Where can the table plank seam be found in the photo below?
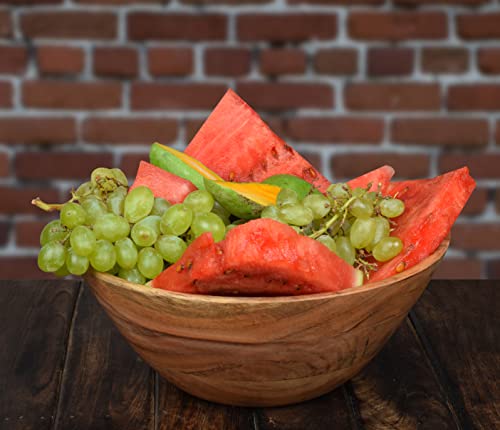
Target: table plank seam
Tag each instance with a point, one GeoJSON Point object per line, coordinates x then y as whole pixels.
{"type": "Point", "coordinates": [255, 420]}
{"type": "Point", "coordinates": [453, 399]}
{"type": "Point", "coordinates": [65, 358]}
{"type": "Point", "coordinates": [352, 406]}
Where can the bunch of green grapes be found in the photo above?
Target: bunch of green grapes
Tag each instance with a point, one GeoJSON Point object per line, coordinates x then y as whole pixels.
{"type": "Point", "coordinates": [129, 234]}
{"type": "Point", "coordinates": [355, 223]}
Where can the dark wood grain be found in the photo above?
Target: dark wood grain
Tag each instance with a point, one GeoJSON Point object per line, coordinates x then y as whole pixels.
{"type": "Point", "coordinates": [35, 317]}
{"type": "Point", "coordinates": [329, 411]}
{"type": "Point", "coordinates": [181, 411]}
{"type": "Point", "coordinates": [398, 389]}
{"type": "Point", "coordinates": [105, 384]}
{"type": "Point", "coordinates": [459, 322]}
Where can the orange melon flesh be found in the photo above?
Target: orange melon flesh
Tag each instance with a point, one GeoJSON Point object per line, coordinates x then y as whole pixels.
{"type": "Point", "coordinates": [162, 183]}
{"type": "Point", "coordinates": [235, 143]}
{"type": "Point", "coordinates": [431, 208]}
{"type": "Point", "coordinates": [260, 258]}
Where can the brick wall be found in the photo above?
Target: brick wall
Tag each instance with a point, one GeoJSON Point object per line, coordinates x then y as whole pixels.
{"type": "Point", "coordinates": [415, 84]}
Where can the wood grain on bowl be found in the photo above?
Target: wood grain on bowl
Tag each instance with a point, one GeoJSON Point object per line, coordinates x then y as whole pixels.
{"type": "Point", "coordinates": [261, 351]}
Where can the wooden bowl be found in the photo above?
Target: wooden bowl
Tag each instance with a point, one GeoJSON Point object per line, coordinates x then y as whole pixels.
{"type": "Point", "coordinates": [252, 351]}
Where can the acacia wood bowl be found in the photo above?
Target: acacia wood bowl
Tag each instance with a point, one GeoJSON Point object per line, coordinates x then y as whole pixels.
{"type": "Point", "coordinates": [252, 351]}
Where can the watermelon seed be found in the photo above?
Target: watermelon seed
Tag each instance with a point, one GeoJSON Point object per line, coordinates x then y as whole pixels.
{"type": "Point", "coordinates": [400, 267]}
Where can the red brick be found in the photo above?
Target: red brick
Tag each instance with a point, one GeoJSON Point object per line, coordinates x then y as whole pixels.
{"type": "Point", "coordinates": [170, 61]}
{"type": "Point", "coordinates": [120, 62]}
{"type": "Point", "coordinates": [392, 97]}
{"type": "Point", "coordinates": [122, 2]}
{"type": "Point", "coordinates": [192, 126]}
{"type": "Point", "coordinates": [37, 130]}
{"type": "Point", "coordinates": [29, 2]}
{"type": "Point", "coordinates": [488, 60]}
{"type": "Point", "coordinates": [286, 27]}
{"type": "Point", "coordinates": [227, 61]}
{"type": "Point", "coordinates": [440, 131]}
{"type": "Point", "coordinates": [474, 97]}
{"type": "Point", "coordinates": [226, 2]}
{"type": "Point", "coordinates": [493, 269]}
{"type": "Point", "coordinates": [411, 166]}
{"type": "Point", "coordinates": [175, 96]}
{"type": "Point", "coordinates": [477, 202]}
{"type": "Point", "coordinates": [4, 165]}
{"type": "Point", "coordinates": [69, 25]}
{"type": "Point", "coordinates": [129, 130]}
{"type": "Point", "coordinates": [497, 200]}
{"type": "Point", "coordinates": [390, 61]}
{"type": "Point", "coordinates": [482, 166]}
{"type": "Point", "coordinates": [283, 96]}
{"type": "Point", "coordinates": [28, 232]}
{"type": "Point", "coordinates": [476, 237]}
{"type": "Point", "coordinates": [445, 60]}
{"type": "Point", "coordinates": [5, 24]}
{"type": "Point", "coordinates": [4, 232]}
{"type": "Point", "coordinates": [282, 61]}
{"type": "Point", "coordinates": [60, 60]}
{"type": "Point", "coordinates": [130, 163]}
{"type": "Point", "coordinates": [13, 59]}
{"type": "Point", "coordinates": [336, 130]}
{"type": "Point", "coordinates": [338, 61]}
{"type": "Point", "coordinates": [15, 200]}
{"type": "Point", "coordinates": [336, 2]}
{"type": "Point", "coordinates": [479, 26]}
{"type": "Point", "coordinates": [446, 2]}
{"type": "Point", "coordinates": [497, 132]}
{"type": "Point", "coordinates": [5, 94]}
{"type": "Point", "coordinates": [72, 95]}
{"type": "Point", "coordinates": [18, 267]}
{"type": "Point", "coordinates": [458, 268]}
{"type": "Point", "coordinates": [397, 25]}
{"type": "Point", "coordinates": [60, 165]}
{"type": "Point", "coordinates": [175, 26]}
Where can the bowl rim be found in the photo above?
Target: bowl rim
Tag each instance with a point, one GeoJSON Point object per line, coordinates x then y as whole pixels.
{"type": "Point", "coordinates": [158, 292]}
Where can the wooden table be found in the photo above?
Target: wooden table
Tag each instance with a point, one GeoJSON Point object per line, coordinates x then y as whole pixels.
{"type": "Point", "coordinates": [63, 365]}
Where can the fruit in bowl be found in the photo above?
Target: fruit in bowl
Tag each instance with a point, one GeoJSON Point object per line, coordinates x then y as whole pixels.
{"type": "Point", "coordinates": [239, 272]}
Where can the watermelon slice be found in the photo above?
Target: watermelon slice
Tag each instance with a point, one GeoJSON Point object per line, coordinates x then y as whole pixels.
{"type": "Point", "coordinates": [260, 258]}
{"type": "Point", "coordinates": [162, 183]}
{"type": "Point", "coordinates": [431, 208]}
{"type": "Point", "coordinates": [235, 143]}
{"type": "Point", "coordinates": [381, 176]}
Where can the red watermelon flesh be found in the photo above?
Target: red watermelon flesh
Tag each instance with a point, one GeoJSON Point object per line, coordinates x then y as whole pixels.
{"type": "Point", "coordinates": [235, 143]}
{"type": "Point", "coordinates": [431, 208]}
{"type": "Point", "coordinates": [260, 258]}
{"type": "Point", "coordinates": [381, 176]}
{"type": "Point", "coordinates": [162, 183]}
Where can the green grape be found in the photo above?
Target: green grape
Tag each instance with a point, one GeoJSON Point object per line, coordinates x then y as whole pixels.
{"type": "Point", "coordinates": [153, 221]}
{"type": "Point", "coordinates": [170, 247]}
{"type": "Point", "coordinates": [103, 258]}
{"type": "Point", "coordinates": [114, 270]}
{"type": "Point", "coordinates": [120, 176]}
{"type": "Point", "coordinates": [271, 212]}
{"type": "Point", "coordinates": [286, 196]}
{"type": "Point", "coordinates": [359, 278]}
{"type": "Point", "coordinates": [99, 174]}
{"type": "Point", "coordinates": [72, 214]}
{"type": "Point", "coordinates": [229, 227]}
{"type": "Point", "coordinates": [204, 222]}
{"type": "Point", "coordinates": [345, 250]}
{"type": "Point", "coordinates": [199, 201]}
{"type": "Point", "coordinates": [222, 213]}
{"type": "Point", "coordinates": [84, 190]}
{"type": "Point", "coordinates": [150, 263]}
{"type": "Point", "coordinates": [116, 200]}
{"type": "Point", "coordinates": [328, 241]}
{"type": "Point", "coordinates": [138, 204]}
{"type": "Point", "coordinates": [296, 214]}
{"type": "Point", "coordinates": [51, 257]}
{"type": "Point", "coordinates": [160, 206]}
{"type": "Point", "coordinates": [126, 253]}
{"type": "Point", "coordinates": [346, 225]}
{"type": "Point", "coordinates": [371, 196]}
{"type": "Point", "coordinates": [111, 227]}
{"type": "Point", "coordinates": [319, 205]}
{"type": "Point", "coordinates": [361, 208]}
{"type": "Point", "coordinates": [387, 248]}
{"type": "Point", "coordinates": [94, 208]}
{"type": "Point", "coordinates": [62, 271]}
{"type": "Point", "coordinates": [176, 220]}
{"type": "Point", "coordinates": [82, 240]}
{"type": "Point", "coordinates": [76, 264]}
{"type": "Point", "coordinates": [54, 230]}
{"type": "Point", "coordinates": [144, 234]}
{"type": "Point", "coordinates": [382, 229]}
{"type": "Point", "coordinates": [362, 232]}
{"type": "Point", "coordinates": [391, 208]}
{"type": "Point", "coordinates": [339, 191]}
{"type": "Point", "coordinates": [132, 275]}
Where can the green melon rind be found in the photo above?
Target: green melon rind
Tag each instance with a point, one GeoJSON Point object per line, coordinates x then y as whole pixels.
{"type": "Point", "coordinates": [299, 185]}
{"type": "Point", "coordinates": [234, 203]}
{"type": "Point", "coordinates": [169, 162]}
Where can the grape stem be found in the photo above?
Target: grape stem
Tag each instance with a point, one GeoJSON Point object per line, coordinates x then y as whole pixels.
{"type": "Point", "coordinates": [47, 207]}
{"type": "Point", "coordinates": [334, 218]}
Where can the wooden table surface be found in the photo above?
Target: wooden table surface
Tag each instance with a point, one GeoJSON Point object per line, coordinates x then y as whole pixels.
{"type": "Point", "coordinates": [63, 365]}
